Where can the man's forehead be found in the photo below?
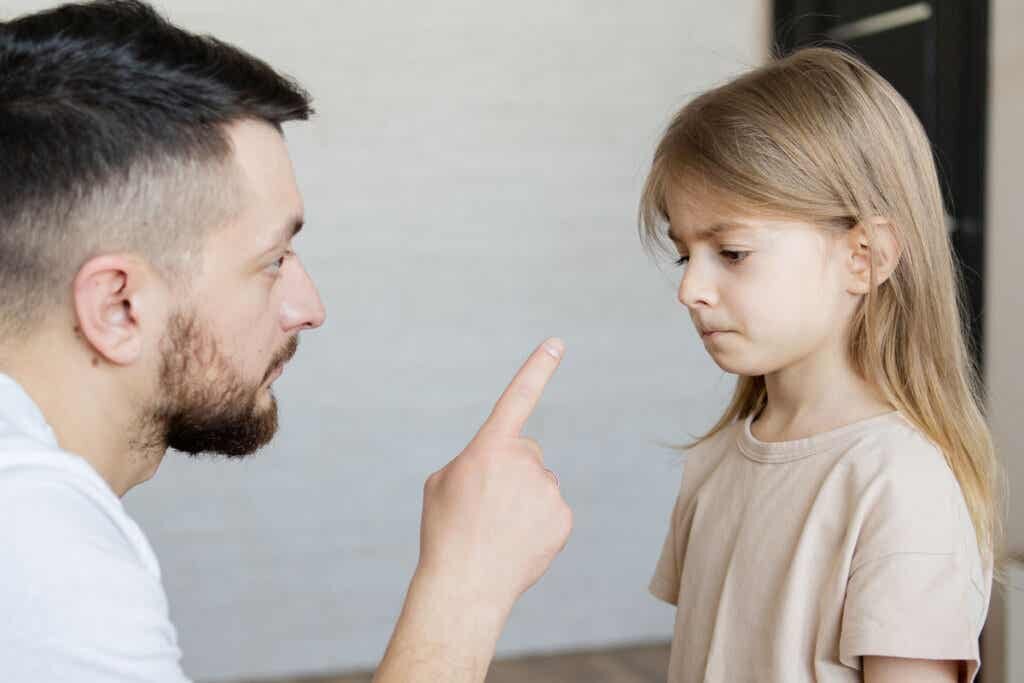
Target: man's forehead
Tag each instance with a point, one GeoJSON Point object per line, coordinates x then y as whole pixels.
{"type": "Point", "coordinates": [261, 156]}
{"type": "Point", "coordinates": [272, 210]}
{"type": "Point", "coordinates": [290, 227]}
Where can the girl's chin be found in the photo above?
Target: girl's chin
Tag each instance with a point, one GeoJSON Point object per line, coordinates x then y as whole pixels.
{"type": "Point", "coordinates": [735, 366]}
{"type": "Point", "coordinates": [736, 369]}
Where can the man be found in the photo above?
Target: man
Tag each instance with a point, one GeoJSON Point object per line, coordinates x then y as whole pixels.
{"type": "Point", "coordinates": [149, 297]}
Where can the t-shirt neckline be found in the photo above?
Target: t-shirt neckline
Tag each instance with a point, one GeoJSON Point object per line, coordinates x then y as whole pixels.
{"type": "Point", "coordinates": [787, 451]}
{"type": "Point", "coordinates": [18, 408]}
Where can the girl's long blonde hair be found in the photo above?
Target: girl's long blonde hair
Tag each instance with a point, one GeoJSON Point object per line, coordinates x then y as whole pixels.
{"type": "Point", "coordinates": [820, 136]}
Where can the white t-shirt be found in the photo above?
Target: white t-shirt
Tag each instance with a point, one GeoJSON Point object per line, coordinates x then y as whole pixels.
{"type": "Point", "coordinates": [80, 592]}
{"type": "Point", "coordinates": [791, 561]}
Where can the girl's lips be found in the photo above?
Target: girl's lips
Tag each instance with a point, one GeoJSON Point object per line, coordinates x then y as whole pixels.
{"type": "Point", "coordinates": [711, 334]}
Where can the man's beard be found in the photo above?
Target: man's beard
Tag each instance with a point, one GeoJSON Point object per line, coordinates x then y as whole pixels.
{"type": "Point", "coordinates": [205, 405]}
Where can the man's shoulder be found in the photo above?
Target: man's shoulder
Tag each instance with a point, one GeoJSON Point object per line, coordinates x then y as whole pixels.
{"type": "Point", "coordinates": [80, 587]}
{"type": "Point", "coordinates": [53, 504]}
{"type": "Point", "coordinates": [45, 479]}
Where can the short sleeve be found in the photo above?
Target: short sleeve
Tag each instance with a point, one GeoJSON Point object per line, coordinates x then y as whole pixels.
{"type": "Point", "coordinates": [79, 604]}
{"type": "Point", "coordinates": [912, 605]}
{"type": "Point", "coordinates": [917, 587]}
{"type": "Point", "coordinates": [664, 584]}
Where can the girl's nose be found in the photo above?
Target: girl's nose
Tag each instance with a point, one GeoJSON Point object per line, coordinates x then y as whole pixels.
{"type": "Point", "coordinates": [695, 288]}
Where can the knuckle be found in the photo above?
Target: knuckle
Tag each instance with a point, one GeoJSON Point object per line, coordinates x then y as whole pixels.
{"type": "Point", "coordinates": [566, 529]}
{"type": "Point", "coordinates": [532, 445]}
{"type": "Point", "coordinates": [523, 390]}
{"type": "Point", "coordinates": [488, 453]}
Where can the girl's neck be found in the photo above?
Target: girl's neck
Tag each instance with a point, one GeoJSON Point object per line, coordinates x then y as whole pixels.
{"type": "Point", "coordinates": [815, 395]}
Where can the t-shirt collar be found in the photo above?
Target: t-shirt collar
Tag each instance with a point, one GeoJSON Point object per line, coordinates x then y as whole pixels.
{"type": "Point", "coordinates": [18, 412]}
{"type": "Point", "coordinates": [786, 451]}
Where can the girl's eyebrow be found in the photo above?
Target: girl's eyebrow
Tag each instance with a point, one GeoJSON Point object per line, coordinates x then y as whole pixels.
{"type": "Point", "coordinates": [712, 231]}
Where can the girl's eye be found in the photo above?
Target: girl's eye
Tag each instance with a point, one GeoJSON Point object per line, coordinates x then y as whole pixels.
{"type": "Point", "coordinates": [682, 260]}
{"type": "Point", "coordinates": [734, 256]}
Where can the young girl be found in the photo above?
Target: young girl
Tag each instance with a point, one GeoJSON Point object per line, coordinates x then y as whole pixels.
{"type": "Point", "coordinates": [839, 521]}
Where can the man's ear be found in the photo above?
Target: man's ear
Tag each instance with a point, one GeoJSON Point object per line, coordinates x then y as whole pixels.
{"type": "Point", "coordinates": [871, 244]}
{"type": "Point", "coordinates": [112, 296]}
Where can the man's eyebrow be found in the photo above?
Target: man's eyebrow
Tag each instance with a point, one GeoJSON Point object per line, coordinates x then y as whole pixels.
{"type": "Point", "coordinates": [291, 228]}
{"type": "Point", "coordinates": [716, 229]}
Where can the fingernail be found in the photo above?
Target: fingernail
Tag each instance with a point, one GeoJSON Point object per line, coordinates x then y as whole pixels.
{"type": "Point", "coordinates": [555, 347]}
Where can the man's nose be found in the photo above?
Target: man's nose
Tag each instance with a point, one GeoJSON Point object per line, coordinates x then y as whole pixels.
{"type": "Point", "coordinates": [302, 308]}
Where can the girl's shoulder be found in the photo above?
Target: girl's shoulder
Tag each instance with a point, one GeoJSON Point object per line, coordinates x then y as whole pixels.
{"type": "Point", "coordinates": [909, 500]}
{"type": "Point", "coordinates": [715, 446]}
{"type": "Point", "coordinates": [703, 458]}
{"type": "Point", "coordinates": [893, 448]}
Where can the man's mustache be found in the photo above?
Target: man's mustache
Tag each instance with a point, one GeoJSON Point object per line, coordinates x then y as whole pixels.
{"type": "Point", "coordinates": [283, 356]}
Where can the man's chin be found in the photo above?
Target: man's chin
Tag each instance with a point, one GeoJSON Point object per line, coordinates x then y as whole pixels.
{"type": "Point", "coordinates": [234, 439]}
{"type": "Point", "coordinates": [204, 404]}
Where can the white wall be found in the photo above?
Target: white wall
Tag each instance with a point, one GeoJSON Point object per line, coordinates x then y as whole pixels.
{"type": "Point", "coordinates": [1004, 319]}
{"type": "Point", "coordinates": [471, 184]}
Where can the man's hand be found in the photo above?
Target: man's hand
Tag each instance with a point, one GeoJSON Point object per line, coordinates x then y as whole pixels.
{"type": "Point", "coordinates": [493, 517]}
{"type": "Point", "coordinates": [493, 520]}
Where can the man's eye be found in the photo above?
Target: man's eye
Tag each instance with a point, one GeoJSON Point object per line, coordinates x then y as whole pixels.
{"type": "Point", "coordinates": [734, 256]}
{"type": "Point", "coordinates": [682, 260]}
{"type": "Point", "coordinates": [279, 263]}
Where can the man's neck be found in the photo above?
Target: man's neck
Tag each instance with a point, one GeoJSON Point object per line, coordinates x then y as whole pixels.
{"type": "Point", "coordinates": [89, 414]}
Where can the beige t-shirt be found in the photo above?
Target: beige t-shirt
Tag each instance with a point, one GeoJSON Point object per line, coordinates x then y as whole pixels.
{"type": "Point", "coordinates": [790, 561]}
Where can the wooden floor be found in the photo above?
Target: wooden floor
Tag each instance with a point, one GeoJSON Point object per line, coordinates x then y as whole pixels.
{"type": "Point", "coordinates": [640, 664]}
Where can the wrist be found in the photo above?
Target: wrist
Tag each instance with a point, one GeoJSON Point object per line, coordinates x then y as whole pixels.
{"type": "Point", "coordinates": [445, 633]}
{"type": "Point", "coordinates": [461, 599]}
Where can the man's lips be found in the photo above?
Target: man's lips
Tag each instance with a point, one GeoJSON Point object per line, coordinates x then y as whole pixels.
{"type": "Point", "coordinates": [276, 372]}
{"type": "Point", "coordinates": [286, 354]}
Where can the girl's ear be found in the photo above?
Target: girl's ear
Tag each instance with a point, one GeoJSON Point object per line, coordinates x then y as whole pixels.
{"type": "Point", "coordinates": [871, 244]}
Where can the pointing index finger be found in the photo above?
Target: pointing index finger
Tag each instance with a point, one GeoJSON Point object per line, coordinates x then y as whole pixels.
{"type": "Point", "coordinates": [518, 401]}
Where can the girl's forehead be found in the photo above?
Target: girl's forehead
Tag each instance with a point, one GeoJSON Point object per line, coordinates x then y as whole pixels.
{"type": "Point", "coordinates": [693, 201]}
{"type": "Point", "coordinates": [693, 211]}
{"type": "Point", "coordinates": [697, 211]}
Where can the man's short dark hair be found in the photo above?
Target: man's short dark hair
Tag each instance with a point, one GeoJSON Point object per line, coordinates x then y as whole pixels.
{"type": "Point", "coordinates": [113, 137]}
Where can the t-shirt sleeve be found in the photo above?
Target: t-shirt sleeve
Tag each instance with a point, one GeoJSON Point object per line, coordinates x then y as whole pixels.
{"type": "Point", "coordinates": [917, 588]}
{"type": "Point", "coordinates": [79, 603]}
{"type": "Point", "coordinates": [912, 605]}
{"type": "Point", "coordinates": [664, 584]}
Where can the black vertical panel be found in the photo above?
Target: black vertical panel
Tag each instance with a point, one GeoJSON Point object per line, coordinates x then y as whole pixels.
{"type": "Point", "coordinates": [962, 82]}
{"type": "Point", "coordinates": [940, 65]}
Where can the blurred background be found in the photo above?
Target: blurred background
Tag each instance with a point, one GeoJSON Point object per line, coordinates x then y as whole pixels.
{"type": "Point", "coordinates": [471, 183]}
